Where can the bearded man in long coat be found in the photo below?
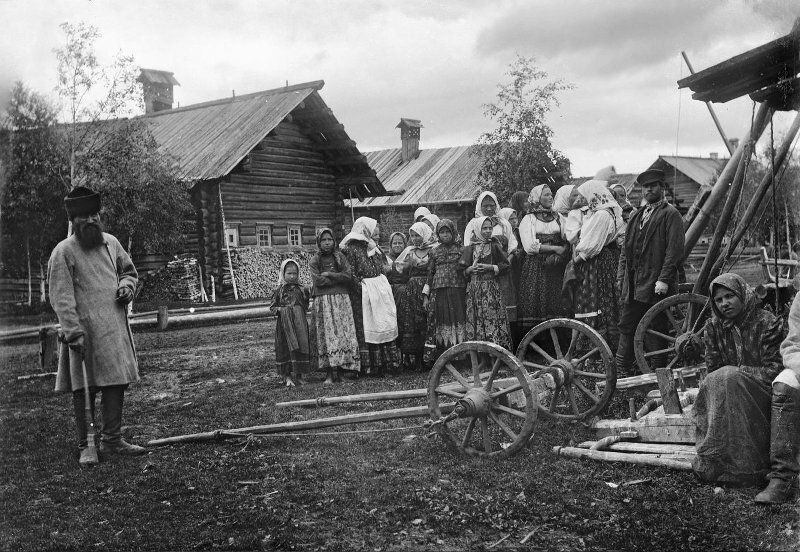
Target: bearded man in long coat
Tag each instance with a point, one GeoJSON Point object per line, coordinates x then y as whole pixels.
{"type": "Point", "coordinates": [92, 279]}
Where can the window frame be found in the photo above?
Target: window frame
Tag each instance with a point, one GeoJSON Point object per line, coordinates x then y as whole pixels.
{"type": "Point", "coordinates": [289, 228]}
{"type": "Point", "coordinates": [270, 231]}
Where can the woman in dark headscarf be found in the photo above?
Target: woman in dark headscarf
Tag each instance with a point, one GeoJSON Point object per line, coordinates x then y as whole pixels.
{"type": "Point", "coordinates": [732, 410]}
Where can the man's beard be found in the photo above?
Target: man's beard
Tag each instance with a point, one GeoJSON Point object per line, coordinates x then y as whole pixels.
{"type": "Point", "coordinates": [89, 234]}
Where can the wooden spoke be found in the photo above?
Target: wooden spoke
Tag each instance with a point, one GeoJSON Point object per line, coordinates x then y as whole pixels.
{"type": "Point", "coordinates": [468, 432]}
{"type": "Point", "coordinates": [495, 369]}
{"type": "Point", "coordinates": [671, 318]}
{"type": "Point", "coordinates": [659, 352]}
{"type": "Point", "coordinates": [673, 362]}
{"type": "Point", "coordinates": [585, 357]}
{"type": "Point", "coordinates": [585, 374]}
{"type": "Point", "coordinates": [541, 351]}
{"type": "Point", "coordinates": [502, 425]}
{"type": "Point", "coordinates": [534, 366]}
{"type": "Point", "coordinates": [661, 335]}
{"type": "Point", "coordinates": [586, 391]}
{"type": "Point", "coordinates": [555, 398]}
{"type": "Point", "coordinates": [506, 390]}
{"type": "Point", "coordinates": [450, 392]}
{"type": "Point", "coordinates": [456, 374]}
{"type": "Point", "coordinates": [476, 369]}
{"type": "Point", "coordinates": [556, 344]}
{"type": "Point", "coordinates": [507, 410]}
{"type": "Point", "coordinates": [573, 340]}
{"type": "Point", "coordinates": [572, 401]}
{"type": "Point", "coordinates": [487, 438]}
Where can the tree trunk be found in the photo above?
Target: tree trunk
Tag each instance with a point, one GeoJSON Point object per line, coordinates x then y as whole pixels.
{"type": "Point", "coordinates": [30, 276]}
{"type": "Point", "coordinates": [42, 286]}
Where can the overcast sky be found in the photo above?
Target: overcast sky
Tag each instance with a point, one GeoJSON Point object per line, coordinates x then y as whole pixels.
{"type": "Point", "coordinates": [434, 61]}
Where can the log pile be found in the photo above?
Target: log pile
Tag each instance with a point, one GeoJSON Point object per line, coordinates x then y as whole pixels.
{"type": "Point", "coordinates": [256, 271]}
{"type": "Point", "coordinates": [178, 281]}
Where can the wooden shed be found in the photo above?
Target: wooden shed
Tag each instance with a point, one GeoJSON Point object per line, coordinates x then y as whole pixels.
{"type": "Point", "coordinates": [265, 170]}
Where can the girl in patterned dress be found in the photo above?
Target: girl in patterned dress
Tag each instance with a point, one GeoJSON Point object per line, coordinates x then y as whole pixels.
{"type": "Point", "coordinates": [333, 328]}
{"type": "Point", "coordinates": [374, 310]}
{"type": "Point", "coordinates": [483, 261]}
{"type": "Point", "coordinates": [547, 256]}
{"type": "Point", "coordinates": [290, 303]}
{"type": "Point", "coordinates": [444, 293]}
{"type": "Point", "coordinates": [412, 317]}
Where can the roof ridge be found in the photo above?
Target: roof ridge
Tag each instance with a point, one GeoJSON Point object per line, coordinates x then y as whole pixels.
{"type": "Point", "coordinates": [315, 85]}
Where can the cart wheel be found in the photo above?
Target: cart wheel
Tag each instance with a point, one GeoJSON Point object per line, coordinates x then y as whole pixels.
{"type": "Point", "coordinates": [684, 317]}
{"type": "Point", "coordinates": [492, 410]}
{"type": "Point", "coordinates": [580, 365]}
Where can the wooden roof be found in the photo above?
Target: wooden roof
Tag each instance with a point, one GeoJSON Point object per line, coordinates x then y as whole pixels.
{"type": "Point", "coordinates": [440, 175]}
{"type": "Point", "coordinates": [767, 73]}
{"type": "Point", "coordinates": [207, 140]}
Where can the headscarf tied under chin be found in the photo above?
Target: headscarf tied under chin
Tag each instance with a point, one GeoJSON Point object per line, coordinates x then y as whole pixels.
{"type": "Point", "coordinates": [425, 232]}
{"type": "Point", "coordinates": [321, 233]}
{"type": "Point", "coordinates": [599, 198]}
{"type": "Point", "coordinates": [561, 203]}
{"type": "Point", "coordinates": [420, 212]}
{"type": "Point", "coordinates": [535, 197]}
{"type": "Point", "coordinates": [284, 264]}
{"type": "Point", "coordinates": [391, 239]}
{"type": "Point", "coordinates": [481, 246]}
{"type": "Point", "coordinates": [478, 205]}
{"type": "Point", "coordinates": [450, 225]}
{"type": "Point", "coordinates": [362, 231]}
{"type": "Point", "coordinates": [739, 287]}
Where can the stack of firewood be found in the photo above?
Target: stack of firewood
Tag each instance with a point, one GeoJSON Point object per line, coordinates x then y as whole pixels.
{"type": "Point", "coordinates": [256, 271]}
{"type": "Point", "coordinates": [178, 281]}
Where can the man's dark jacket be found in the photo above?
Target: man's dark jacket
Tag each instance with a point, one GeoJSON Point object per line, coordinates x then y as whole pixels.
{"type": "Point", "coordinates": [661, 256]}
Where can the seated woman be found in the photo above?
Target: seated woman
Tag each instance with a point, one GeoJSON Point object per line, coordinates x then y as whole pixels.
{"type": "Point", "coordinates": [732, 410]}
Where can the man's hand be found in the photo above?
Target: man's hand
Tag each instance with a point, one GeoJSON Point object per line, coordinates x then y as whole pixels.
{"type": "Point", "coordinates": [661, 288]}
{"type": "Point", "coordinates": [425, 302]}
{"type": "Point", "coordinates": [124, 295]}
{"type": "Point", "coordinates": [78, 345]}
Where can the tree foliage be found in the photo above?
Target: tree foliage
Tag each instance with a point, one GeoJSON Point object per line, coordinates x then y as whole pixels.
{"type": "Point", "coordinates": [518, 153]}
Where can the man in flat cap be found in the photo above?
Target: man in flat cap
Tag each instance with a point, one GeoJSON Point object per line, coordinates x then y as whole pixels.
{"type": "Point", "coordinates": [92, 279]}
{"type": "Point", "coordinates": [649, 262]}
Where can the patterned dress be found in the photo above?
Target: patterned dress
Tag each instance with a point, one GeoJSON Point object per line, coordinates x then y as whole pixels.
{"type": "Point", "coordinates": [485, 311]}
{"type": "Point", "coordinates": [412, 319]}
{"type": "Point", "coordinates": [542, 275]}
{"type": "Point", "coordinates": [291, 332]}
{"type": "Point", "coordinates": [374, 357]}
{"type": "Point", "coordinates": [447, 309]}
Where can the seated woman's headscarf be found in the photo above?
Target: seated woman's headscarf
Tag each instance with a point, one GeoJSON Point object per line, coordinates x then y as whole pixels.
{"type": "Point", "coordinates": [519, 202]}
{"type": "Point", "coordinates": [544, 215]}
{"type": "Point", "coordinates": [420, 212]}
{"type": "Point", "coordinates": [739, 287]}
{"type": "Point", "coordinates": [282, 270]}
{"type": "Point", "coordinates": [362, 231]}
{"type": "Point", "coordinates": [561, 204]}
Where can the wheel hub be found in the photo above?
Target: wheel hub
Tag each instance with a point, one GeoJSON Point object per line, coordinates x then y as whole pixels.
{"type": "Point", "coordinates": [561, 370]}
{"type": "Point", "coordinates": [475, 403]}
{"type": "Point", "coordinates": [689, 346]}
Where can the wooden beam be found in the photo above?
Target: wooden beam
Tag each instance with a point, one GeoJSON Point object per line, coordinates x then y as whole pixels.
{"type": "Point", "coordinates": [668, 428]}
{"type": "Point", "coordinates": [638, 459]}
{"type": "Point", "coordinates": [334, 145]}
{"type": "Point", "coordinates": [345, 160]}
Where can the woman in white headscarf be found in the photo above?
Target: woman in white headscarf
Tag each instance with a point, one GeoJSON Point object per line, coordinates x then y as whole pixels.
{"type": "Point", "coordinates": [488, 206]}
{"type": "Point", "coordinates": [561, 201]}
{"type": "Point", "coordinates": [542, 235]}
{"type": "Point", "coordinates": [374, 310]}
{"type": "Point", "coordinates": [420, 213]}
{"type": "Point", "coordinates": [596, 257]}
{"type": "Point", "coordinates": [412, 319]}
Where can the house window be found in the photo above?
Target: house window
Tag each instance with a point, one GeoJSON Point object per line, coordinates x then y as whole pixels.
{"type": "Point", "coordinates": [264, 235]}
{"type": "Point", "coordinates": [295, 235]}
{"type": "Point", "coordinates": [232, 236]}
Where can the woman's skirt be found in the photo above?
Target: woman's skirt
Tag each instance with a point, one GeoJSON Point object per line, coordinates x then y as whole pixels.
{"type": "Point", "coordinates": [732, 416]}
{"type": "Point", "coordinates": [291, 341]}
{"type": "Point", "coordinates": [540, 291]}
{"type": "Point", "coordinates": [486, 313]}
{"type": "Point", "coordinates": [447, 317]}
{"type": "Point", "coordinates": [334, 332]}
{"type": "Point", "coordinates": [596, 298]}
{"type": "Point", "coordinates": [411, 317]}
{"type": "Point", "coordinates": [375, 317]}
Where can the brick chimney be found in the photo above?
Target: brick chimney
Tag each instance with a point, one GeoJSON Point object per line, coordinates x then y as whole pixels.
{"type": "Point", "coordinates": [409, 136]}
{"type": "Point", "coordinates": [157, 87]}
{"type": "Point", "coordinates": [714, 155]}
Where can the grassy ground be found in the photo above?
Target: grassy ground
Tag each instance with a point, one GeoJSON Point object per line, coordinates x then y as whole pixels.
{"type": "Point", "coordinates": [387, 490]}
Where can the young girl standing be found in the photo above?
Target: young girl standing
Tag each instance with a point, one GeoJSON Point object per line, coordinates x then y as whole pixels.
{"type": "Point", "coordinates": [444, 293]}
{"type": "Point", "coordinates": [483, 260]}
{"type": "Point", "coordinates": [291, 333]}
{"type": "Point", "coordinates": [412, 319]}
{"type": "Point", "coordinates": [333, 328]}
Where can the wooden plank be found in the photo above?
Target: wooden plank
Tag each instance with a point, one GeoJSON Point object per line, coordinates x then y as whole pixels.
{"type": "Point", "coordinates": [670, 428]}
{"type": "Point", "coordinates": [669, 394]}
{"type": "Point", "coordinates": [650, 379]}
{"type": "Point", "coordinates": [638, 459]}
{"type": "Point", "coordinates": [647, 448]}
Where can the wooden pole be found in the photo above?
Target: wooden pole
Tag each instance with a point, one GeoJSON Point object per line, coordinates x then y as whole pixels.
{"type": "Point", "coordinates": [286, 427]}
{"type": "Point", "coordinates": [639, 459]}
{"type": "Point", "coordinates": [669, 395]}
{"type": "Point", "coordinates": [728, 145]}
{"type": "Point", "coordinates": [647, 448]}
{"type": "Point", "coordinates": [227, 246]}
{"type": "Point", "coordinates": [162, 319]}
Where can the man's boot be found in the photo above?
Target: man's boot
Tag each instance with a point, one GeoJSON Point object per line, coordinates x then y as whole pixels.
{"type": "Point", "coordinates": [112, 441]}
{"type": "Point", "coordinates": [625, 357]}
{"type": "Point", "coordinates": [88, 456]}
{"type": "Point", "coordinates": [784, 445]}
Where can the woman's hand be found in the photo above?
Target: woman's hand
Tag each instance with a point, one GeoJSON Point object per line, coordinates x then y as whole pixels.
{"type": "Point", "coordinates": [425, 302]}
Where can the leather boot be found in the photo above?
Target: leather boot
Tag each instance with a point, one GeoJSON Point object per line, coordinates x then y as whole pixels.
{"type": "Point", "coordinates": [777, 492]}
{"type": "Point", "coordinates": [112, 441]}
{"type": "Point", "coordinates": [88, 456]}
{"type": "Point", "coordinates": [625, 356]}
{"type": "Point", "coordinates": [784, 445]}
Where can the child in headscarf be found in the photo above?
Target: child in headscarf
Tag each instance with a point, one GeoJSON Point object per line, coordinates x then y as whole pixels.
{"type": "Point", "coordinates": [374, 310]}
{"type": "Point", "coordinates": [332, 324]}
{"type": "Point", "coordinates": [444, 293]}
{"type": "Point", "coordinates": [412, 319]}
{"type": "Point", "coordinates": [483, 261]}
{"type": "Point", "coordinates": [510, 280]}
{"type": "Point", "coordinates": [547, 255]}
{"type": "Point", "coordinates": [596, 258]}
{"type": "Point", "coordinates": [487, 206]}
{"type": "Point", "coordinates": [290, 303]}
